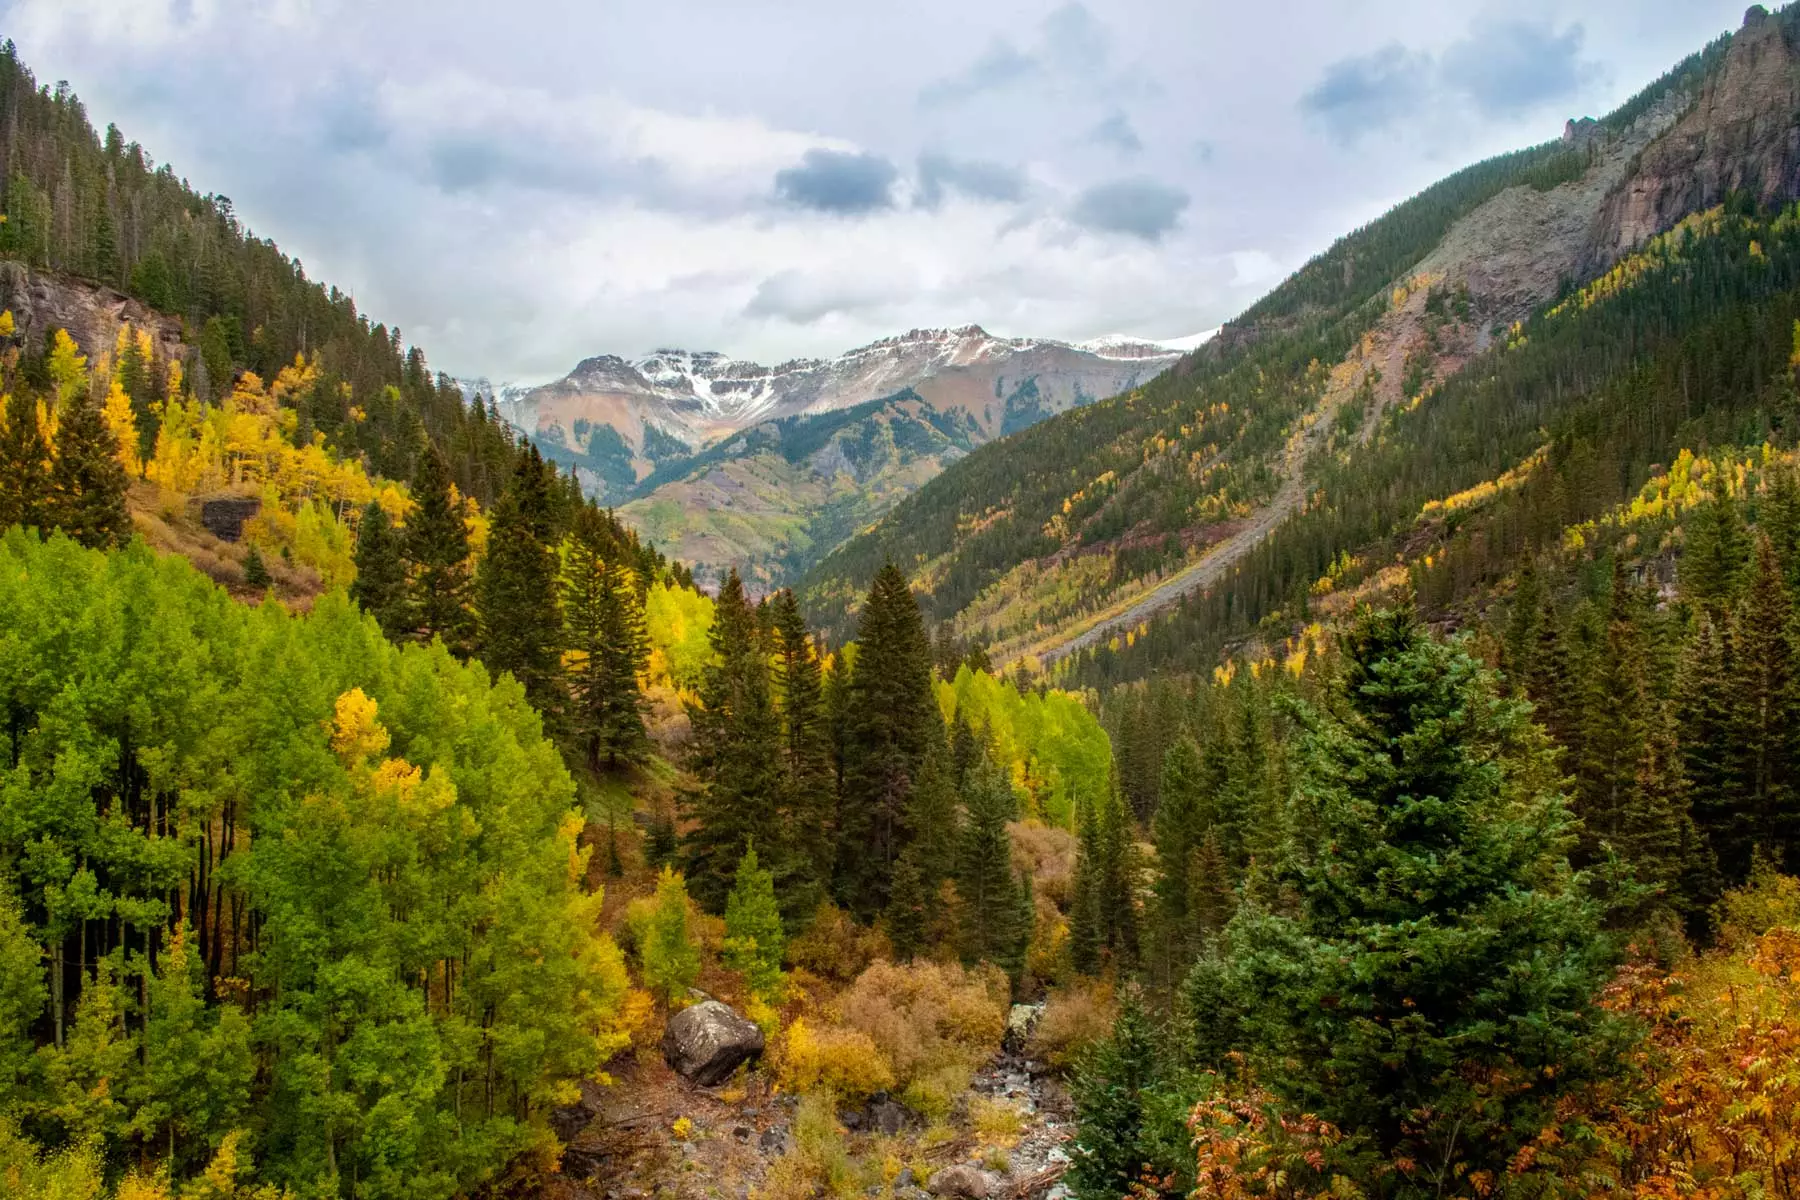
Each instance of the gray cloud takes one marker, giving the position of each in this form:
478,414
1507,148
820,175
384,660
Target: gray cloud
1116,131
803,298
999,66
1369,92
1508,67
1074,37
975,178
835,181
1140,208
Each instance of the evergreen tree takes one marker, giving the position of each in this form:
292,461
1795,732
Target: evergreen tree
735,754
984,876
1212,899
380,586
1112,1091
891,724
87,482
809,800
1767,716
1614,728
1780,519
1115,878
521,616
1707,728
907,914
610,651
256,572
1436,993
1176,832
934,819
24,465
1087,934
1715,549
437,554
754,941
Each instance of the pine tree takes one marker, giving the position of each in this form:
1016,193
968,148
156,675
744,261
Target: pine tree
1780,519
24,465
380,586
1715,549
1212,899
1087,935
934,820
1767,716
437,552
87,482
891,724
1441,872
907,913
1176,831
1111,1093
984,875
1614,727
735,754
809,794
754,941
610,651
256,572
521,616
1707,715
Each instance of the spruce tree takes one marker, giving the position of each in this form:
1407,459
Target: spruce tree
1176,832
1614,728
1435,994
436,549
380,586
87,482
1086,929
516,586
256,572
754,942
984,876
1780,519
670,956
1715,549
1212,898
809,793
934,818
1707,716
1112,1093
605,630
735,754
24,465
1767,716
891,724
908,916
1115,878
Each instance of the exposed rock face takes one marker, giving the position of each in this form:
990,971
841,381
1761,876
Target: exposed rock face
91,312
224,516
708,1041
964,1180
1742,134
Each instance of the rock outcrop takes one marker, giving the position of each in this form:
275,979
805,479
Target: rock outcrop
963,1181
1741,135
92,313
708,1041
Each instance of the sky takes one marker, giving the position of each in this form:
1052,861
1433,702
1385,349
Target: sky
521,185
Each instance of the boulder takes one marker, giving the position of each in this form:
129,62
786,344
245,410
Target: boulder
964,1181
705,1043
887,1116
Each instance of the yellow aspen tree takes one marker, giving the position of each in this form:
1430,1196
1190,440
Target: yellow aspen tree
123,423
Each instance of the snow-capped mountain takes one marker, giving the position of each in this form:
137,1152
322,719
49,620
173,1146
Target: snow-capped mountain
620,419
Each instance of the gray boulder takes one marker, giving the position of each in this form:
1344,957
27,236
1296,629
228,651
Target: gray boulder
964,1181
706,1042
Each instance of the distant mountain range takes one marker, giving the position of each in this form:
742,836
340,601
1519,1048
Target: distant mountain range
731,463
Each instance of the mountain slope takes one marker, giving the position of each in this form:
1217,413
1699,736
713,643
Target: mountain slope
767,468
1081,529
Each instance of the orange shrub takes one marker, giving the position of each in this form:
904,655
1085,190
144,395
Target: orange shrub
1074,1018
834,946
926,1015
1048,854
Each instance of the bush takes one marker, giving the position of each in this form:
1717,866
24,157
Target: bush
925,1016
1048,854
995,1122
819,1164
1767,901
835,947
832,1060
1074,1018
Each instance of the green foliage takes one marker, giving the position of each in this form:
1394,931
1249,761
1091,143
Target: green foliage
1435,994
256,571
388,968
521,614
380,586
891,725
611,652
754,942
670,955
992,930
1131,1110
437,557
87,483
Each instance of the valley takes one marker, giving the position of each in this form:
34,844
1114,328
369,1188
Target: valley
1352,754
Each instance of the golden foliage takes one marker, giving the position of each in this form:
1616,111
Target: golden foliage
842,1062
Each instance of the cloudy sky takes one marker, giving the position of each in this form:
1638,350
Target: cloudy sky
520,185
